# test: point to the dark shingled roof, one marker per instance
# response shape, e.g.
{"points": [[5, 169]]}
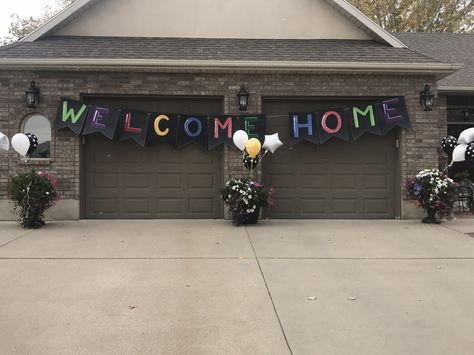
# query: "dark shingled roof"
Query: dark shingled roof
{"points": [[310, 50], [447, 48]]}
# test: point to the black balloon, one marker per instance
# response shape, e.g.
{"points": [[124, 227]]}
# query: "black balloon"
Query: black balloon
{"points": [[33, 143], [449, 143], [469, 156], [250, 163]]}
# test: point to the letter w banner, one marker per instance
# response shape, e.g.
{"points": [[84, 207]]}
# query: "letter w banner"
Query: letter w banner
{"points": [[71, 114]]}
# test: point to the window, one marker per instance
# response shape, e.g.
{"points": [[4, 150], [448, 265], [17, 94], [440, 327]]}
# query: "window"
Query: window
{"points": [[460, 114], [39, 126]]}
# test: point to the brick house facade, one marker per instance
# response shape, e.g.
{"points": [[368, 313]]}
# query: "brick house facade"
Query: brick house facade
{"points": [[416, 147]]}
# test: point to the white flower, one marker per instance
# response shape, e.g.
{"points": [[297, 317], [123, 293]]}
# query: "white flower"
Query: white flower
{"points": [[47, 193]]}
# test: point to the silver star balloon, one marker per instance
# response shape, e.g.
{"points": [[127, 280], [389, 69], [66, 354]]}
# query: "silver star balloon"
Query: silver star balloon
{"points": [[272, 142]]}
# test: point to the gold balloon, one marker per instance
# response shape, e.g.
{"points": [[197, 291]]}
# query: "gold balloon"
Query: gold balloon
{"points": [[253, 147]]}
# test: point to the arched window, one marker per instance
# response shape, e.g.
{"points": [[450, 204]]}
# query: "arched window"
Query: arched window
{"points": [[39, 126]]}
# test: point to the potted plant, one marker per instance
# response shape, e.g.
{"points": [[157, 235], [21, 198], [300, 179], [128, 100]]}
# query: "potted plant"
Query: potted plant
{"points": [[435, 192], [32, 193], [244, 199]]}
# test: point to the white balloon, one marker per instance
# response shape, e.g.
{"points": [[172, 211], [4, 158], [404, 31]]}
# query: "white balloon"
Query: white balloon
{"points": [[240, 139], [272, 142], [459, 153], [21, 143], [466, 136], [4, 142]]}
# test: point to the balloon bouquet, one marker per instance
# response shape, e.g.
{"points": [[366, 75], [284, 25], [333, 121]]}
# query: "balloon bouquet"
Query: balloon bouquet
{"points": [[23, 144], [252, 147], [460, 152]]}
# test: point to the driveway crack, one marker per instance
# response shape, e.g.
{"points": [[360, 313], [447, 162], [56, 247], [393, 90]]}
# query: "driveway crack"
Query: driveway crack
{"points": [[269, 292], [13, 240]]}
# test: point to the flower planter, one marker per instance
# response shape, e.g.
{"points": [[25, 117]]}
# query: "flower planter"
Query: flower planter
{"points": [[431, 218], [252, 218]]}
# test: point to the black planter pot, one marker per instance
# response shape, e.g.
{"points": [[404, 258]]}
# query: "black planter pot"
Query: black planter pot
{"points": [[431, 218], [252, 218]]}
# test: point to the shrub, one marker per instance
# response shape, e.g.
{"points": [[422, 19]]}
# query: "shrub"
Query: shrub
{"points": [[32, 193]]}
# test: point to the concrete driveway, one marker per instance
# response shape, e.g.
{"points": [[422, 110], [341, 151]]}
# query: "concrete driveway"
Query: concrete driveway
{"points": [[206, 287]]}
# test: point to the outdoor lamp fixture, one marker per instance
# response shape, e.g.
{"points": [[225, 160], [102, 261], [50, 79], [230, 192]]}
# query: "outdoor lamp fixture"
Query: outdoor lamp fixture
{"points": [[426, 99], [32, 95], [243, 96]]}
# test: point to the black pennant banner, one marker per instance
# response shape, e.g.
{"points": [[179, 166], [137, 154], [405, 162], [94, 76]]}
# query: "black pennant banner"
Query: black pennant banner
{"points": [[193, 128], [103, 120], [133, 125], [254, 125], [163, 128], [363, 118], [302, 127], [331, 124], [393, 114], [210, 131], [221, 129], [349, 123], [71, 114]]}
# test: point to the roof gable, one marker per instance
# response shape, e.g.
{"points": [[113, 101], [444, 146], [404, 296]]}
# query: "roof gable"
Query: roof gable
{"points": [[275, 19]]}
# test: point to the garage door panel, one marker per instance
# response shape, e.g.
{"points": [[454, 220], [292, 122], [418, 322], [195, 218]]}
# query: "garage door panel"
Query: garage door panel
{"points": [[201, 205], [313, 181], [344, 181], [283, 181], [105, 206], [283, 206], [337, 179], [104, 180], [168, 180], [344, 205], [137, 206], [201, 181], [376, 206], [375, 181], [313, 206], [137, 180]]}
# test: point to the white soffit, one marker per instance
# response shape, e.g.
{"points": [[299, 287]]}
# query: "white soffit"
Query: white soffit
{"points": [[79, 7]]}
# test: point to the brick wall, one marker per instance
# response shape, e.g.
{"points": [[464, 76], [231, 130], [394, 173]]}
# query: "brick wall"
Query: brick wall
{"points": [[418, 146]]}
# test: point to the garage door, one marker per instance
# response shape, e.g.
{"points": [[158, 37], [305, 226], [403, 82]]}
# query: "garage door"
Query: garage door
{"points": [[124, 180], [337, 179]]}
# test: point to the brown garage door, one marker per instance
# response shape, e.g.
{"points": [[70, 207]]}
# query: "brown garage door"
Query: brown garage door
{"points": [[337, 179], [124, 180]]}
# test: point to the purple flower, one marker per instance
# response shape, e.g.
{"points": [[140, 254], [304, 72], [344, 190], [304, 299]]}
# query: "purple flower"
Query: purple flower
{"points": [[416, 188]]}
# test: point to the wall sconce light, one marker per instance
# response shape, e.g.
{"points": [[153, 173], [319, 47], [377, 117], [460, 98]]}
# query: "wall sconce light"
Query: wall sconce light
{"points": [[32, 95], [426, 99], [243, 96]]}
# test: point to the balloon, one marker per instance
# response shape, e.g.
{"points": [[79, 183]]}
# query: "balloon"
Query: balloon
{"points": [[249, 162], [33, 143], [272, 142], [253, 147], [469, 156], [466, 136], [449, 143], [21, 143], [459, 152], [240, 139], [4, 142]]}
